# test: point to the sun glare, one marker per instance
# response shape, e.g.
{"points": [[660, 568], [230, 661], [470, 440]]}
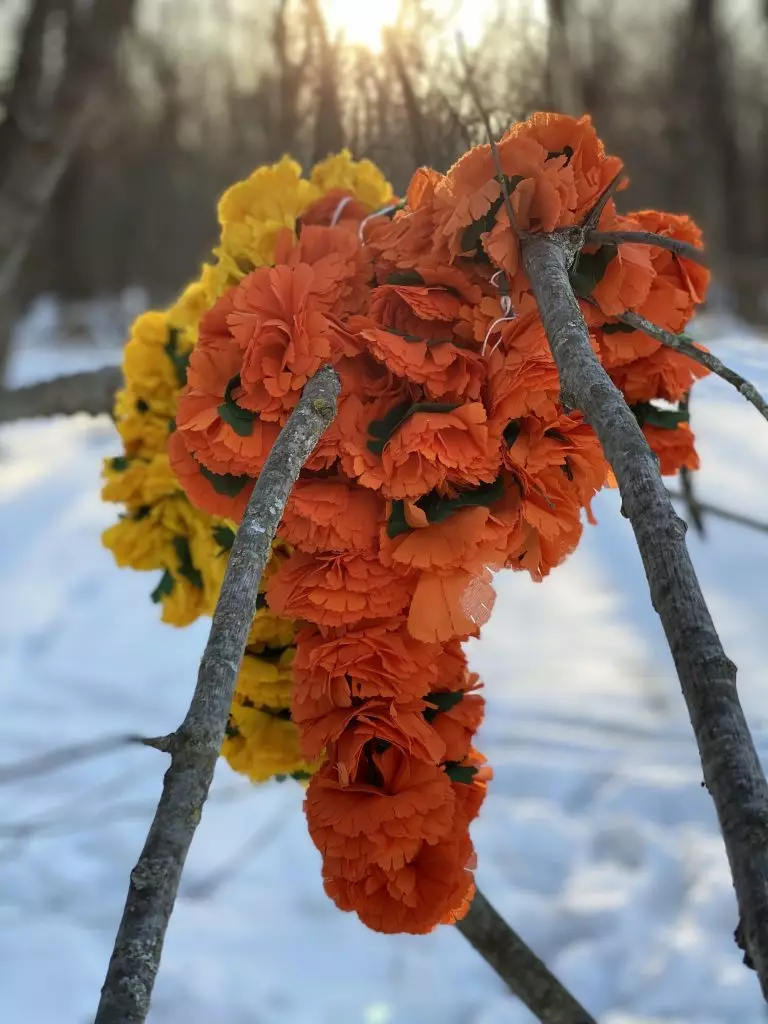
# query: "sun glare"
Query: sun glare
{"points": [[361, 21]]}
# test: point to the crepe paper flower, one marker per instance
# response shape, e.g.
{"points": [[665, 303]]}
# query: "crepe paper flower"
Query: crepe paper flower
{"points": [[181, 601], [136, 542], [624, 275], [449, 606], [383, 817], [265, 681], [124, 481], [348, 665], [254, 211], [338, 207], [544, 549], [456, 716], [223, 436], [522, 376], [337, 590], [679, 284], [665, 374], [346, 731], [143, 424], [361, 178], [435, 445], [269, 631], [222, 495], [261, 744], [341, 265], [198, 297], [332, 516], [470, 778], [154, 358], [436, 887], [674, 448]]}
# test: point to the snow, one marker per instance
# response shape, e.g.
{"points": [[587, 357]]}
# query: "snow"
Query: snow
{"points": [[597, 843]]}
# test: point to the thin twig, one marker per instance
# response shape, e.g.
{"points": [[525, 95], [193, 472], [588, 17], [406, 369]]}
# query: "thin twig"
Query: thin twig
{"points": [[92, 392], [732, 771], [485, 117], [693, 508], [683, 343], [593, 217], [53, 760], [722, 513], [680, 248], [517, 965], [127, 990]]}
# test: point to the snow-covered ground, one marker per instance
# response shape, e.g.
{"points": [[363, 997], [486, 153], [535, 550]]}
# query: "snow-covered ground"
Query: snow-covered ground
{"points": [[597, 843]]}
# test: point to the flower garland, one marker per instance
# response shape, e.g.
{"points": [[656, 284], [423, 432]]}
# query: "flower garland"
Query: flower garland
{"points": [[451, 457]]}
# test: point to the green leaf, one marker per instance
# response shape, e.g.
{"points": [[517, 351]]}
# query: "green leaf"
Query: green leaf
{"points": [[224, 537], [470, 240], [119, 463], [438, 509], [590, 269], [667, 419], [241, 420], [179, 359], [405, 277], [300, 776], [163, 588], [261, 601], [141, 513], [186, 565], [232, 732], [382, 430], [396, 523], [141, 405], [618, 328], [225, 483], [171, 426], [460, 772], [444, 701], [413, 338], [511, 432]]}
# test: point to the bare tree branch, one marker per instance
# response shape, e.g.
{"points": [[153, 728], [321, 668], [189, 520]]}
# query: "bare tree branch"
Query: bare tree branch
{"points": [[722, 513], [53, 760], [682, 343], [92, 392], [675, 245], [693, 508], [732, 771], [195, 746], [517, 965]]}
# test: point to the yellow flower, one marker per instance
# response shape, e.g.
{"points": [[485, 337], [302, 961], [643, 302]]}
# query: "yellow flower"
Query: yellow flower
{"points": [[261, 744], [148, 365], [137, 543], [197, 298], [124, 480], [254, 211], [266, 682], [183, 603], [362, 178], [269, 630], [143, 424], [160, 481]]}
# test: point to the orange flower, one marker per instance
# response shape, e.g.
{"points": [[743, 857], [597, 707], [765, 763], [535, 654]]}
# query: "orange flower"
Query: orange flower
{"points": [[341, 267], [338, 203], [413, 331], [664, 374], [675, 448], [276, 318], [456, 717], [446, 606], [344, 733], [549, 542], [384, 817], [412, 233], [679, 284], [627, 279], [470, 795], [220, 495], [332, 515], [522, 376], [223, 436], [377, 660], [431, 449], [436, 887], [337, 590]]}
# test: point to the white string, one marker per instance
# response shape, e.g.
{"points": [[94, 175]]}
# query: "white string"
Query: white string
{"points": [[376, 213], [339, 209], [489, 332]]}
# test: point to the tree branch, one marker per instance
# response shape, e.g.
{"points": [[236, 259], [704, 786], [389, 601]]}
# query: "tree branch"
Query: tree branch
{"points": [[92, 392], [52, 760], [517, 965], [195, 746], [682, 343], [722, 513], [675, 245], [732, 771]]}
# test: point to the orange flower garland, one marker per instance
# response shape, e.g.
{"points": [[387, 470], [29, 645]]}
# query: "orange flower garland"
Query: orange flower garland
{"points": [[451, 457]]}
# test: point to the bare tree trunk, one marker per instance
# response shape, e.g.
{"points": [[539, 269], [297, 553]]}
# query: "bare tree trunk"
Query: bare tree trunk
{"points": [[35, 152], [561, 85], [329, 127]]}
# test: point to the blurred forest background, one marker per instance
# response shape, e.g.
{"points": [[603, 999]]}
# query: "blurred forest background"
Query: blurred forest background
{"points": [[192, 94]]}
